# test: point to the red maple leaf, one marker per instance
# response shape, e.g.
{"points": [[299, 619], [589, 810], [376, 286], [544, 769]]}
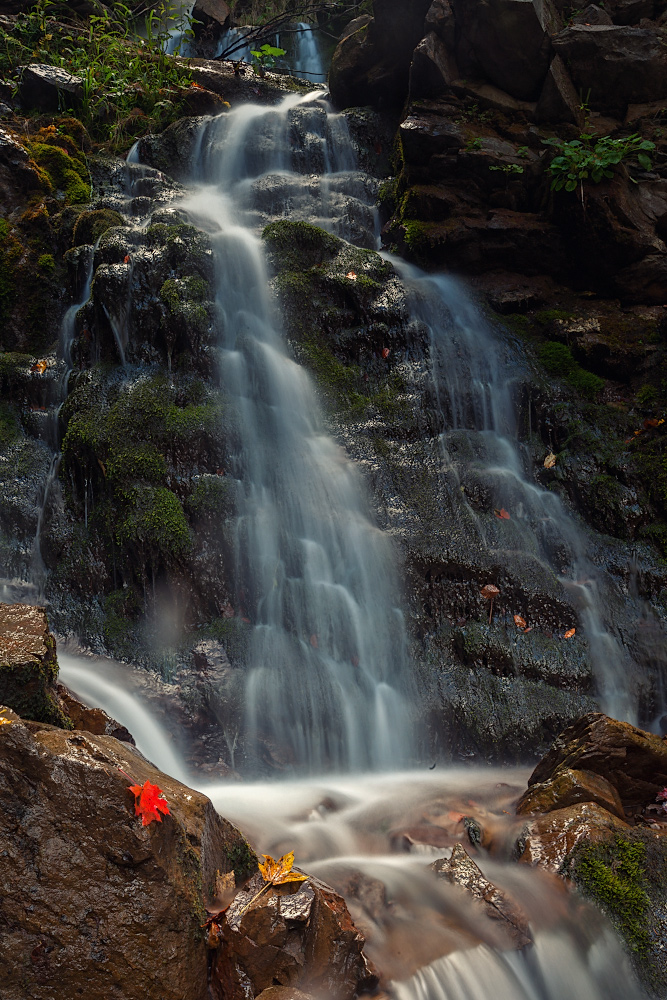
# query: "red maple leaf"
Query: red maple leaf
{"points": [[149, 802]]}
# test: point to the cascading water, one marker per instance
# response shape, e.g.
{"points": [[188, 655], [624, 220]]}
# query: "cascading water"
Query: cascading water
{"points": [[327, 672], [482, 457], [58, 395]]}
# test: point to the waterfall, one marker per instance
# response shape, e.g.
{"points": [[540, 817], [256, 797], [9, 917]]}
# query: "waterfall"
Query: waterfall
{"points": [[327, 674], [482, 457]]}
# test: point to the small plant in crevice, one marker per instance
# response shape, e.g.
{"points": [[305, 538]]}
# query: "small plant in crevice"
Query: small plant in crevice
{"points": [[593, 158]]}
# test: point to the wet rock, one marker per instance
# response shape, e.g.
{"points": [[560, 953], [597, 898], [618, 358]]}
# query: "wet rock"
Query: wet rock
{"points": [[567, 788], [298, 935], [355, 25], [48, 87], [633, 761], [461, 870], [28, 663], [91, 720], [619, 65], [90, 896], [548, 840]]}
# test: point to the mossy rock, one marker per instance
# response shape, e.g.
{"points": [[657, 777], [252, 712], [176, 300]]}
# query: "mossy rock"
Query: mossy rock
{"points": [[90, 226], [627, 878], [558, 360], [58, 154]]}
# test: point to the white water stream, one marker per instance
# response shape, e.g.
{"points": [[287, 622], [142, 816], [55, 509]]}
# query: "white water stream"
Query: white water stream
{"points": [[368, 836]]}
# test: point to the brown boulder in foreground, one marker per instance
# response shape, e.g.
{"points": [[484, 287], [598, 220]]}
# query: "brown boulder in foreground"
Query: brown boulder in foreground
{"points": [[567, 787], [633, 761], [94, 905]]}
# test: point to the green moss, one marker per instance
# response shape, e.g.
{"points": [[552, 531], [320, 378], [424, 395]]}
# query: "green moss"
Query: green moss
{"points": [[11, 252], [242, 860], [66, 171], [300, 245], [234, 634], [558, 360], [152, 519], [10, 428], [388, 194], [212, 497], [615, 876], [29, 687], [90, 226], [143, 462], [46, 263], [14, 371], [121, 611], [184, 300], [647, 395]]}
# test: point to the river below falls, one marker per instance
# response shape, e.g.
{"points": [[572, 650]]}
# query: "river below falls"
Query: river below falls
{"points": [[364, 834]]}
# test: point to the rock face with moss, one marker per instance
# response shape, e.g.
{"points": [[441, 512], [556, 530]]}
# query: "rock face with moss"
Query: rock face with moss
{"points": [[617, 859]]}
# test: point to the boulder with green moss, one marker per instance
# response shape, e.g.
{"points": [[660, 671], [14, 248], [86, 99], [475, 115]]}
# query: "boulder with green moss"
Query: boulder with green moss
{"points": [[28, 664]]}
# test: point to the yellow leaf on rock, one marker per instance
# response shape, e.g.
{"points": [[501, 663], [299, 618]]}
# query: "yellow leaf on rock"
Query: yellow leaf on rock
{"points": [[550, 461], [278, 872]]}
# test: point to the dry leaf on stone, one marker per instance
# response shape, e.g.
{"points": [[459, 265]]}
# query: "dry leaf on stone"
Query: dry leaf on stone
{"points": [[550, 461], [570, 632], [279, 872]]}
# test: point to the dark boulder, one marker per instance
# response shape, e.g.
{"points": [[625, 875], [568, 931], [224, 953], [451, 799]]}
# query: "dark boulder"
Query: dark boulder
{"points": [[433, 68], [372, 65], [48, 87], [506, 41], [299, 935], [619, 65], [566, 788]]}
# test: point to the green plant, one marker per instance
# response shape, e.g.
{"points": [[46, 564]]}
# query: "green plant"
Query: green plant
{"points": [[592, 157], [647, 395], [471, 144], [265, 57], [130, 84]]}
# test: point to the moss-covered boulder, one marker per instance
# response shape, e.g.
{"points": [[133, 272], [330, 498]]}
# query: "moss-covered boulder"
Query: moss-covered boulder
{"points": [[152, 295], [28, 664]]}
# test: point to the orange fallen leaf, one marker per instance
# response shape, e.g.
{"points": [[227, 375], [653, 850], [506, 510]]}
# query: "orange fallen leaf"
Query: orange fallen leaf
{"points": [[570, 632], [39, 367], [385, 353], [351, 275], [502, 514], [280, 871], [651, 422], [550, 461], [149, 802], [519, 621], [126, 259]]}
